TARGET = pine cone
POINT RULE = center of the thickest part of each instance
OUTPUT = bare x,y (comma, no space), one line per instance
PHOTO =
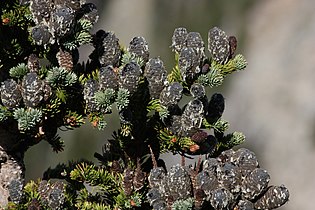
129,77
34,205
221,183
52,195
192,117
197,91
156,176
33,63
41,10
89,12
73,4
275,197
224,182
108,78
139,178
244,205
32,90
245,159
221,198
233,46
218,45
177,184
139,46
176,124
47,90
107,45
56,195
255,183
90,87
215,108
62,20
65,60
15,188
156,200
41,35
211,165
188,63
194,40
199,137
207,181
155,73
230,177
178,39
10,93
171,94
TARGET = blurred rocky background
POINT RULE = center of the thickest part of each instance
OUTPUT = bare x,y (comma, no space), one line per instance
272,102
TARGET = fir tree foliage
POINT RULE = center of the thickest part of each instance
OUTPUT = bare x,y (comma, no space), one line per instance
4,114
27,118
61,77
104,99
40,97
183,204
19,71
122,99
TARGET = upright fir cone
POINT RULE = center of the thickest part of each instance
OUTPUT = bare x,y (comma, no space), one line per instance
73,4
56,195
218,45
108,78
52,195
255,183
207,181
32,89
155,199
65,60
10,93
90,88
190,55
129,77
215,108
41,10
156,174
246,160
233,46
274,197
177,184
108,49
140,47
178,39
221,198
171,94
188,63
244,205
194,40
230,177
90,12
41,35
197,91
16,190
155,73
33,63
192,117
34,205
62,20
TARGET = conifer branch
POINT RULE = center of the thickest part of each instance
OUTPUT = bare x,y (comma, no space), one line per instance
38,98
